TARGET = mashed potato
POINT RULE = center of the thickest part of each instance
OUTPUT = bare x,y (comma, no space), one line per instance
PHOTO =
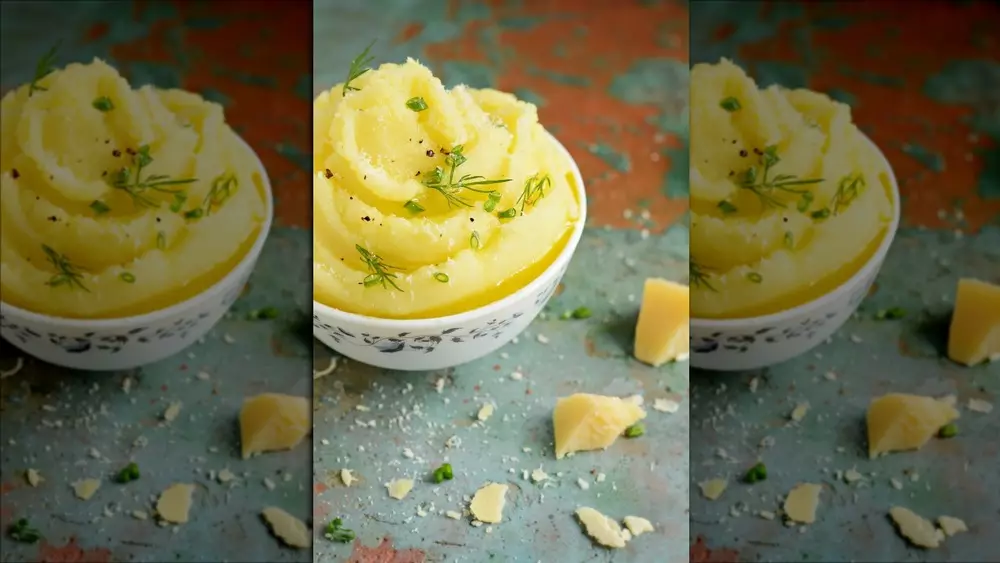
430,201
118,201
788,199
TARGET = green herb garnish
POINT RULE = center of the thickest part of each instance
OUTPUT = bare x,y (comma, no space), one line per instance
413,206
67,273
194,214
21,531
948,431
892,313
441,277
492,199
636,430
474,240
756,473
764,186
359,66
103,103
99,207
698,275
223,187
161,240
443,473
820,214
127,277
265,313
727,208
379,270
416,104
179,200
847,191
730,104
128,473
335,531
507,213
789,240
450,187
755,277
42,69
534,190
581,313
130,180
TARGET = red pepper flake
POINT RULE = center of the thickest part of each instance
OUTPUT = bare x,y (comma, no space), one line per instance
328,174
15,174
430,152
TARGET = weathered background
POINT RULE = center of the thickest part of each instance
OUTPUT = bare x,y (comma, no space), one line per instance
610,81
253,59
924,83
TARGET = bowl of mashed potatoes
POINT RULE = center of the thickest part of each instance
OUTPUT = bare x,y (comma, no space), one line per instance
444,219
793,212
131,218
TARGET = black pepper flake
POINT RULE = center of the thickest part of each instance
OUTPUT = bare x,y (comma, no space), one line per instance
130,151
418,173
430,152
366,218
116,153
366,176
472,219
104,173
785,219
107,141
758,152
734,141
421,141
444,151
53,218
158,219
14,173
328,174
744,153
731,172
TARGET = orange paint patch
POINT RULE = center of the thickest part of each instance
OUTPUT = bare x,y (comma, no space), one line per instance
97,31
583,115
320,488
385,553
8,487
409,32
72,553
700,553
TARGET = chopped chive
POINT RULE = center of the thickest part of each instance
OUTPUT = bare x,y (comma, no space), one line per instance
178,203
416,104
804,202
730,104
265,313
507,213
21,531
756,473
161,240
194,214
491,202
892,313
755,277
581,313
474,240
821,213
103,103
335,531
127,277
636,430
99,207
443,473
128,473
413,206
789,239
948,431
441,277
727,207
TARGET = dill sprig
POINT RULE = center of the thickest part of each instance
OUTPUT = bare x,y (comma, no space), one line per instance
360,65
534,190
757,180
450,187
699,275
67,273
130,180
848,189
378,270
42,69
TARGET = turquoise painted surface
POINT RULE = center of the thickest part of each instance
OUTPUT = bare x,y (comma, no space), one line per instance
646,476
955,477
74,425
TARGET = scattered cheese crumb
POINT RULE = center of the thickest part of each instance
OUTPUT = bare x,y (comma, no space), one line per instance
637,525
226,476
917,530
601,529
583,483
538,475
174,503
951,525
665,405
347,477
453,515
980,406
399,488
172,411
85,488
289,529
713,488
800,412
485,412
801,503
488,503
34,477
140,514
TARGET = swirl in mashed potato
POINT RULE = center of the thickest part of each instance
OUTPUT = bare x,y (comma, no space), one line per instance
118,201
788,198
397,233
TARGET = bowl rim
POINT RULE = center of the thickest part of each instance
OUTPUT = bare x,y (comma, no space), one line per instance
189,303
490,308
872,264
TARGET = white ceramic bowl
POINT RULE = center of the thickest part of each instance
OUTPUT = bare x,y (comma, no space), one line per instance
129,342
443,342
756,342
